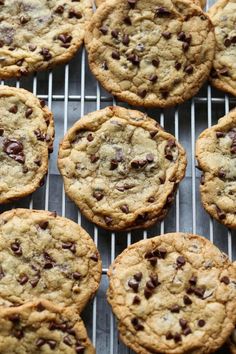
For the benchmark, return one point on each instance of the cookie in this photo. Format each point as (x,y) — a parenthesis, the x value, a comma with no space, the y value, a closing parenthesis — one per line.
(216,152)
(39,34)
(121,168)
(223,74)
(174,293)
(26,138)
(150,53)
(48,257)
(202,3)
(41,327)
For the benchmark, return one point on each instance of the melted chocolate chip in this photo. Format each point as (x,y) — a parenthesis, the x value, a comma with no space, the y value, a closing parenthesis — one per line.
(40,342)
(177,65)
(46,54)
(155,62)
(32,47)
(187,300)
(169,335)
(124,208)
(127,20)
(162,11)
(59,10)
(225,280)
(151,199)
(183,323)
(153,78)
(125,39)
(180,261)
(136,300)
(18,333)
(142,93)
(23,280)
(94,158)
(13,109)
(115,33)
(223,71)
(138,276)
(175,309)
(193,280)
(14,149)
(166,35)
(94,257)
(188,69)
(177,337)
(153,133)
(135,322)
(76,276)
(199,292)
(90,137)
(114,164)
(104,29)
(108,220)
(134,285)
(134,59)
(67,341)
(34,282)
(98,195)
(187,331)
(185,47)
(43,224)
(115,55)
(220,213)
(16,248)
(201,323)
(147,293)
(65,38)
(132,3)
(74,14)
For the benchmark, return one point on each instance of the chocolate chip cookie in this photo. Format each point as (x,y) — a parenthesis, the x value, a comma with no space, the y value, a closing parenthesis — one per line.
(26,138)
(38,34)
(121,168)
(150,53)
(41,327)
(174,293)
(223,74)
(48,257)
(216,155)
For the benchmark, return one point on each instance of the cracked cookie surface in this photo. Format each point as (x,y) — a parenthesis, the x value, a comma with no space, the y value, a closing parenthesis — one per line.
(121,168)
(223,74)
(48,257)
(41,327)
(216,155)
(150,53)
(26,138)
(38,34)
(172,294)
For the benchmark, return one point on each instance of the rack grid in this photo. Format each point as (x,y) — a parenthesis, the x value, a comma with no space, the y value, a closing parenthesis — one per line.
(71,91)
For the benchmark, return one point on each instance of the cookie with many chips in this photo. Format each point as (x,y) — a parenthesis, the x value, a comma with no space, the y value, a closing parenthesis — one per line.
(150,53)
(174,293)
(38,34)
(121,168)
(216,155)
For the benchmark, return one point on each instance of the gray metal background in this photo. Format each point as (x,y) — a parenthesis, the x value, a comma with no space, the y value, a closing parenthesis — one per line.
(71,91)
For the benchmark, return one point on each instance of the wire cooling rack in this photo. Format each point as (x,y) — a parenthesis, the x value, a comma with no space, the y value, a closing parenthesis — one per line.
(70,92)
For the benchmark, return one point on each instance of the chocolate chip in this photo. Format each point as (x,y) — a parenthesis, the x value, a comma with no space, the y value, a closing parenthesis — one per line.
(1,131)
(15,246)
(183,323)
(127,20)
(67,341)
(32,47)
(108,220)
(23,280)
(223,71)
(134,59)
(43,224)
(136,300)
(48,265)
(94,257)
(220,134)
(221,174)
(2,2)
(125,39)
(14,318)
(188,69)
(233,39)
(201,323)
(74,14)
(142,93)
(155,62)
(199,292)
(134,285)
(59,9)
(136,324)
(181,36)
(40,342)
(153,78)
(19,333)
(227,42)
(147,293)
(187,300)
(187,331)
(151,199)
(90,137)
(65,38)
(150,158)
(2,274)
(98,195)
(132,3)
(220,213)
(124,208)
(52,343)
(180,261)
(162,11)
(115,55)
(14,149)
(115,33)
(177,337)
(24,19)
(34,282)
(202,179)
(46,54)
(114,164)
(80,349)
(225,280)
(13,109)
(169,335)
(154,280)
(76,276)
(153,133)
(193,280)
(177,65)
(175,309)
(138,276)
(166,35)
(190,290)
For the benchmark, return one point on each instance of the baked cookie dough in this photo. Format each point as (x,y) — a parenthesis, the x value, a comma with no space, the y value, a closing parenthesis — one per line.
(223,74)
(41,327)
(26,138)
(121,168)
(38,34)
(46,256)
(150,53)
(173,293)
(216,155)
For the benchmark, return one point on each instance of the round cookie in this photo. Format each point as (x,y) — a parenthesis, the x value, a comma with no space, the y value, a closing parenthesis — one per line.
(216,155)
(121,168)
(41,327)
(46,256)
(173,293)
(149,53)
(38,34)
(223,74)
(26,138)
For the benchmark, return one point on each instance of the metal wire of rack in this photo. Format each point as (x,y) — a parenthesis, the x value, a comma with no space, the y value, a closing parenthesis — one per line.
(71,91)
